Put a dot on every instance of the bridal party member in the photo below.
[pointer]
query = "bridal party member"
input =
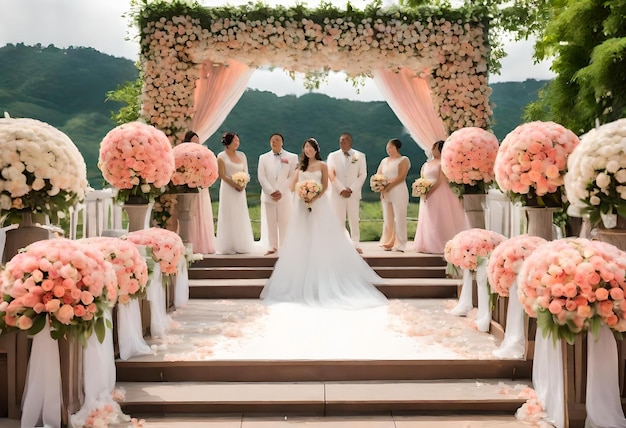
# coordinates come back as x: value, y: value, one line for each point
x: 234, y: 231
x: 275, y: 171
x: 201, y: 230
x: 441, y: 214
x: 318, y: 264
x: 394, y: 197
x: 347, y: 170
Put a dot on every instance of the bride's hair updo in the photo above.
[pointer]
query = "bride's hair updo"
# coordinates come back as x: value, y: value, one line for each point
x: 304, y: 160
x: 227, y: 138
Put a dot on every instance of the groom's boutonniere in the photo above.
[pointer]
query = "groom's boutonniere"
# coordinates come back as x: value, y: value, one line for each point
x: 284, y: 160
x: 354, y: 159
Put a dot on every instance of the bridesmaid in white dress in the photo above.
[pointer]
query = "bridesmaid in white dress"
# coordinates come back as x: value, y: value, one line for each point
x: 394, y: 197
x: 234, y: 230
x: 318, y: 264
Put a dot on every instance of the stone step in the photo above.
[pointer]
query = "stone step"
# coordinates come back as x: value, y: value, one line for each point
x: 140, y: 370
x: 397, y: 288
x: 324, y: 398
x: 247, y: 272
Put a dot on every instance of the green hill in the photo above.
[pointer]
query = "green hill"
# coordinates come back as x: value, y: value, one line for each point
x: 67, y: 88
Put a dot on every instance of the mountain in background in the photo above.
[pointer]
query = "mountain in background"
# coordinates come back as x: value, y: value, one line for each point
x: 67, y: 89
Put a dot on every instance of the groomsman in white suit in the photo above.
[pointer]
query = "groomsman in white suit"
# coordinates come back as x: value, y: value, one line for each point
x: 347, y: 171
x: 275, y: 170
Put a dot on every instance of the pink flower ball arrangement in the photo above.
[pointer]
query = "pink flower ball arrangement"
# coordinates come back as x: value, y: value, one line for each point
x: 532, y: 161
x: 167, y: 247
x: 467, y: 159
x: 469, y: 248
x: 136, y: 159
x: 506, y: 260
x: 129, y: 265
x: 196, y: 166
x: 65, y: 280
x: 572, y: 285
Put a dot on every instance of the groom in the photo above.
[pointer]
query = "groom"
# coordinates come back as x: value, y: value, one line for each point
x: 275, y: 170
x: 347, y: 171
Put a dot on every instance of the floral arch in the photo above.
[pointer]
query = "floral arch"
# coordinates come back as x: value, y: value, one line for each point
x: 430, y: 63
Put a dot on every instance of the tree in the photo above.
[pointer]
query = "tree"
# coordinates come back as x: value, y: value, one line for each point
x: 128, y: 93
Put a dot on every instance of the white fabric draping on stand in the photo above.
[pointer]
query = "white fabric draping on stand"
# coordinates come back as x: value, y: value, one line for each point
x: 159, y: 320
x: 42, y: 395
x: 514, y: 343
x: 99, y: 380
x: 603, y: 403
x: 548, y: 379
x: 483, y: 316
x: 130, y: 332
x: 464, y: 305
x: 181, y: 290
x: 410, y: 98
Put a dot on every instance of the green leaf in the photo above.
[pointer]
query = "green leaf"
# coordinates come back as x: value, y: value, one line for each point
x: 100, y: 329
x: 39, y: 323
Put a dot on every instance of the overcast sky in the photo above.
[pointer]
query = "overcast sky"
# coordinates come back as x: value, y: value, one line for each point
x: 100, y: 24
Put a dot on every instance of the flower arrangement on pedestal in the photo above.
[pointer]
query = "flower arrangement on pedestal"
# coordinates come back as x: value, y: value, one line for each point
x: 42, y: 170
x: 129, y: 265
x: 64, y: 280
x: 166, y: 246
x: 574, y: 285
x: 196, y: 166
x: 137, y: 160
x: 506, y: 260
x: 532, y: 161
x: 470, y: 248
x: 596, y: 178
x: 467, y: 160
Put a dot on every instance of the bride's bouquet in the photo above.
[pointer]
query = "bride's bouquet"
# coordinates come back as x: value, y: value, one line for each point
x: 421, y: 186
x: 378, y: 182
x: 307, y: 190
x: 241, y: 178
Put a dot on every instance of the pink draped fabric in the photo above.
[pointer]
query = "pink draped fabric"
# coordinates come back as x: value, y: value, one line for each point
x: 410, y: 99
x: 217, y: 91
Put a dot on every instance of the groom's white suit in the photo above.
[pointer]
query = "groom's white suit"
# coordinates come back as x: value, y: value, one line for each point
x: 274, y: 172
x: 347, y: 174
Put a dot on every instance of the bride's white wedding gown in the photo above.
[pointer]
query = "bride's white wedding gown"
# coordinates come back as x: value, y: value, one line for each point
x: 318, y: 264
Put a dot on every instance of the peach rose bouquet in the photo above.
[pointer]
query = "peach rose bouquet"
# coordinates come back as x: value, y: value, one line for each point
x: 573, y: 285
x: 166, y: 247
x: 506, y: 260
x: 42, y: 170
x: 59, y: 281
x: 137, y: 160
x: 196, y: 166
x: 467, y: 160
x: 532, y: 161
x: 596, y: 178
x: 378, y: 182
x: 129, y: 265
x: 469, y: 248
x: 420, y: 187
x: 307, y: 190
x: 241, y: 178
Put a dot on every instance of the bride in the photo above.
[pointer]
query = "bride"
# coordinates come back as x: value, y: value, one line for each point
x: 318, y: 265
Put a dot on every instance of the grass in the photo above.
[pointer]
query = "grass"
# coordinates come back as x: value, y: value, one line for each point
x: 371, y: 220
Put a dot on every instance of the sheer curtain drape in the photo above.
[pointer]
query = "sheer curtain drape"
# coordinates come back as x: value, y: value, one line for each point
x: 218, y: 89
x: 410, y: 99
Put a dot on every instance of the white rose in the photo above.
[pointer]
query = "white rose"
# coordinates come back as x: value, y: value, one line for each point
x: 145, y: 188
x: 612, y: 166
x: 594, y: 200
x: 603, y: 180
x: 620, y: 176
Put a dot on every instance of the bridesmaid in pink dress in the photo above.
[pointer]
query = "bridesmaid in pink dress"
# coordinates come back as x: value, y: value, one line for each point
x: 441, y: 214
x: 201, y: 229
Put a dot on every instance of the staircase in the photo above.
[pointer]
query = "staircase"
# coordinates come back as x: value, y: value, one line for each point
x: 322, y: 387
